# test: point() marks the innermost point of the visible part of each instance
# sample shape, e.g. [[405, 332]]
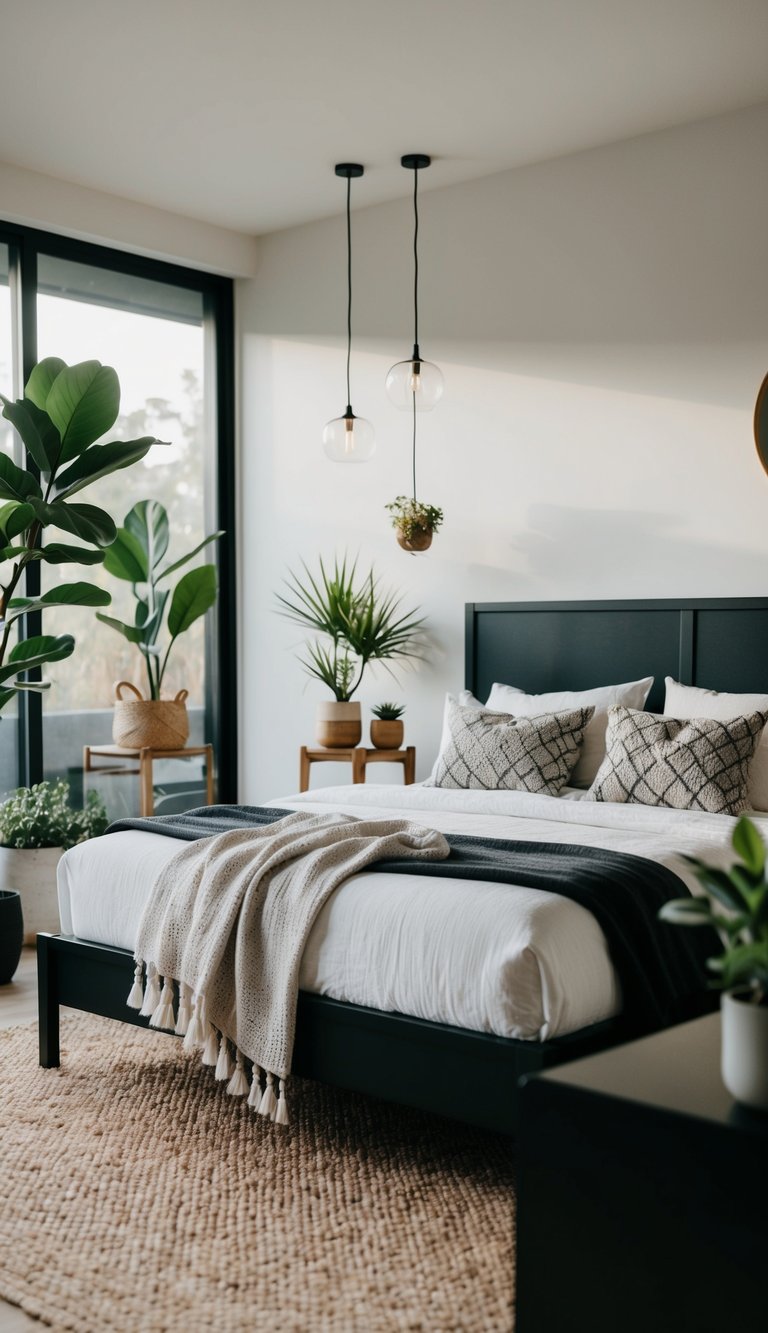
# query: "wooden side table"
[[146, 757], [359, 757]]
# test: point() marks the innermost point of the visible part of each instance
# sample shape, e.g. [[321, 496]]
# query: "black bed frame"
[[719, 644]]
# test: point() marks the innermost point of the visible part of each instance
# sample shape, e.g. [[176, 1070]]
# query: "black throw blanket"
[[661, 967]]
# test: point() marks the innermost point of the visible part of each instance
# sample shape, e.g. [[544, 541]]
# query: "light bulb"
[[349, 439], [415, 383]]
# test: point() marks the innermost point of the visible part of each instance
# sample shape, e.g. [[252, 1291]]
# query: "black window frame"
[[25, 244]]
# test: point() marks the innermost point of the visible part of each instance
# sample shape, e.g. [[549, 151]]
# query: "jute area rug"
[[136, 1195]]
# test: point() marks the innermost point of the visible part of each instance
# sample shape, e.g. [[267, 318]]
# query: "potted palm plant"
[[137, 556], [736, 904], [387, 727], [357, 623]]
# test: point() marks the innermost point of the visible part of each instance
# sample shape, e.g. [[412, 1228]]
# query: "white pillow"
[[467, 700], [633, 694], [688, 701]]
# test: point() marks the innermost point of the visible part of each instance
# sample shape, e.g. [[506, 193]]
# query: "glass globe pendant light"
[[349, 439], [415, 385]]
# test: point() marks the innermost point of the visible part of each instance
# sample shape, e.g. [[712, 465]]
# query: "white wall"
[[601, 322]]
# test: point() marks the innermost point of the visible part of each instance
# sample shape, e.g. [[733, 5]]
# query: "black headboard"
[[718, 643]]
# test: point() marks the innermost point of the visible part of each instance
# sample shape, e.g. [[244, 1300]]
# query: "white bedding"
[[516, 962]]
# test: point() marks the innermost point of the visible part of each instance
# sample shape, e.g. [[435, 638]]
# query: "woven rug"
[[136, 1195]]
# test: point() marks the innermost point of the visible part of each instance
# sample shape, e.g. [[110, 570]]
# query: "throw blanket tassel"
[[195, 1034], [238, 1084], [136, 998], [254, 1096], [185, 1010], [163, 1016], [211, 1046], [152, 993], [224, 1066], [281, 1114], [268, 1102]]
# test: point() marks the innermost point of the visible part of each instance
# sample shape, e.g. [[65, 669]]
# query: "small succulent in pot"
[[414, 522], [386, 728]]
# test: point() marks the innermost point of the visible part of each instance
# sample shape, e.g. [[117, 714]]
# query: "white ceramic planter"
[[745, 1049], [33, 874]]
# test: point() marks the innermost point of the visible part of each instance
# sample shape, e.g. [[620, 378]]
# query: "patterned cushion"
[[496, 752], [699, 764]]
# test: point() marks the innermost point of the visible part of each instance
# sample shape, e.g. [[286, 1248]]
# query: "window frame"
[[25, 244]]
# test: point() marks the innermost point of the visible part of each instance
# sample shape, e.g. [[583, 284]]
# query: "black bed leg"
[[48, 1003]]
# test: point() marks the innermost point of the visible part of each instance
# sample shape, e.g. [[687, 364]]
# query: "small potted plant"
[[358, 623], [386, 728], [736, 904], [37, 825], [137, 556], [414, 522]]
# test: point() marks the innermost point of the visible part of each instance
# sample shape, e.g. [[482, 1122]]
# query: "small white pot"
[[745, 1049], [32, 872]]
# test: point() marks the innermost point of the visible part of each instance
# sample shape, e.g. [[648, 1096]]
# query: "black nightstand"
[[643, 1194]]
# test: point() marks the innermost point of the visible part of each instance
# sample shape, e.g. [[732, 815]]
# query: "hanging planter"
[[415, 523]]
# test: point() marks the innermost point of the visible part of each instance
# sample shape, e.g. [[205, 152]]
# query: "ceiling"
[[235, 111]]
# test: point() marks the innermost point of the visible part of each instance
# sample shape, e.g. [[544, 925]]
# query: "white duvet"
[[494, 958]]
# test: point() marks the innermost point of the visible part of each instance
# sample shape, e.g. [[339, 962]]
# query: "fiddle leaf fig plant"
[[136, 556], [64, 411]]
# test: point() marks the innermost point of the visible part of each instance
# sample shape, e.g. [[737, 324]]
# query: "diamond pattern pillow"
[[495, 752], [700, 764]]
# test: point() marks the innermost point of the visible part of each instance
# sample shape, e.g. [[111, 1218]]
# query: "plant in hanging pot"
[[736, 904], [137, 556], [414, 522], [386, 727], [37, 825], [357, 623]]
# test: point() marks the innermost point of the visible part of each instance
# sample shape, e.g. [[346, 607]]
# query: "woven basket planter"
[[155, 724]]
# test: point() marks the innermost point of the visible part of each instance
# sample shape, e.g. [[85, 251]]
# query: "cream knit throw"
[[228, 919]]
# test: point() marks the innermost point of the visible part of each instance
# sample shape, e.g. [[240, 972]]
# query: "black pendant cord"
[[416, 260], [414, 448], [349, 289]]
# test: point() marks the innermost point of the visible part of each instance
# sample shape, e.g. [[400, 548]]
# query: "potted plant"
[[11, 934], [386, 727], [65, 409], [414, 522], [137, 556], [358, 623], [37, 825], [736, 904]]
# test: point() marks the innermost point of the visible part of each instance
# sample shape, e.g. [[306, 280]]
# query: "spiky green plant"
[[388, 712], [359, 623]]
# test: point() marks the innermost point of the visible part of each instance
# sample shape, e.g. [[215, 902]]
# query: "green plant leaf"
[[65, 594], [15, 518], [38, 433], [717, 883], [171, 569], [84, 521], [192, 597], [99, 461], [126, 558], [129, 632], [748, 844], [686, 912], [148, 523], [83, 403], [42, 377], [15, 482], [58, 553], [33, 652]]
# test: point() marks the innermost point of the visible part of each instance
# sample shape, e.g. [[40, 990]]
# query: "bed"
[[419, 1008]]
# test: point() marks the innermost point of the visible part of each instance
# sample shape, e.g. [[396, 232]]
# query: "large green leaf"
[[148, 523], [15, 483], [100, 460], [192, 597], [58, 553], [83, 404], [41, 379], [129, 632], [33, 652], [126, 558], [748, 844], [84, 521], [38, 433], [15, 518], [185, 559], [65, 594], [149, 620]]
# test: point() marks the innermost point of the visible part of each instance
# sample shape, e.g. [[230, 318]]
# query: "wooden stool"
[[146, 757], [359, 757]]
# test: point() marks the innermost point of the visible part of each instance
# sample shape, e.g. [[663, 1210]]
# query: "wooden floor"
[[18, 1004]]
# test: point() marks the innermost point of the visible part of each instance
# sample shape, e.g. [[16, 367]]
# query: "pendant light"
[[349, 439], [415, 385]]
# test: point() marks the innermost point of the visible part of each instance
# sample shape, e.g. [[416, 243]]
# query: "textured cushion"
[[496, 752], [467, 700], [632, 694], [690, 701], [699, 764]]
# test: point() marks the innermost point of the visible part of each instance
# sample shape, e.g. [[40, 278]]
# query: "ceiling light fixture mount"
[[349, 439], [415, 385]]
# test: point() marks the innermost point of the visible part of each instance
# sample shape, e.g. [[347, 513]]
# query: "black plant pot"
[[11, 933]]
